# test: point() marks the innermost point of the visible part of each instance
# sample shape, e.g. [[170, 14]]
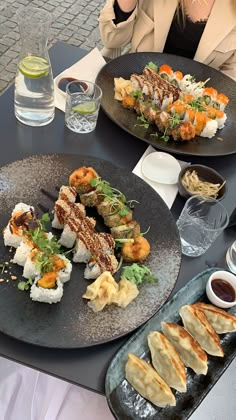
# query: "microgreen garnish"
[[116, 198], [144, 122], [197, 104], [45, 247], [152, 66], [25, 285], [174, 120]]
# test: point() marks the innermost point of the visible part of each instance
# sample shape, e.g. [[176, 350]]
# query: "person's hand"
[[127, 5]]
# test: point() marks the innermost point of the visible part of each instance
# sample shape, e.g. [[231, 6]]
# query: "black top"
[[183, 39]]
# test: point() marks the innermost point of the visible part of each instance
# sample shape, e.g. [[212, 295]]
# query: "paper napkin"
[[86, 69], [166, 191]]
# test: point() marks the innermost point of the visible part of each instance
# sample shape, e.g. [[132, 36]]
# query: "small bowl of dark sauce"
[[221, 289], [61, 83]]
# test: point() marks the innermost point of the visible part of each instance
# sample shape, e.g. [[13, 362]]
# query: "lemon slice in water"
[[86, 107], [33, 67]]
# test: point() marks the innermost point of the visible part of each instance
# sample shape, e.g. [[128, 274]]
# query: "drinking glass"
[[199, 224], [83, 100], [231, 257]]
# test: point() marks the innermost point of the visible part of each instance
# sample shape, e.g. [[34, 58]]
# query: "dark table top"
[[87, 367]]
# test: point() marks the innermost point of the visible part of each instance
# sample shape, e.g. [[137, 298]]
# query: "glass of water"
[[231, 257], [199, 224], [83, 100]]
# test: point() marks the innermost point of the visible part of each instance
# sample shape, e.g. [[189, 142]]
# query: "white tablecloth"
[[26, 394]]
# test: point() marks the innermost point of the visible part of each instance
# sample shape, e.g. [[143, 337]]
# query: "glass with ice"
[[199, 224], [83, 100]]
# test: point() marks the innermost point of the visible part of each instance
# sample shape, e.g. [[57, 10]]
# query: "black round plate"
[[125, 65], [71, 323]]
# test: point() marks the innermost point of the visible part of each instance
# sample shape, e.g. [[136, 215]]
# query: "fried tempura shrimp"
[[137, 250], [80, 179]]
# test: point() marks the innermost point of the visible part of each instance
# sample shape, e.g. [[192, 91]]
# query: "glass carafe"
[[34, 87]]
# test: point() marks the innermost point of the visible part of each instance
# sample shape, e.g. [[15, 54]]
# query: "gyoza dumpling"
[[146, 381], [188, 348], [196, 323], [222, 321], [166, 361]]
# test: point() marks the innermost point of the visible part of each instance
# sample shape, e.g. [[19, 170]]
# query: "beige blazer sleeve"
[[229, 67], [115, 36]]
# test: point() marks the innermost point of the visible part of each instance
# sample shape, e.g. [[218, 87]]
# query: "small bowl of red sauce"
[[221, 289]]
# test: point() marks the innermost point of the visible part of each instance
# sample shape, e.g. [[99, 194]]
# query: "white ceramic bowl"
[[223, 275], [161, 167]]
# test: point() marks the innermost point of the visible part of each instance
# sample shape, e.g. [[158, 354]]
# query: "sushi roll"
[[61, 211], [80, 179], [178, 107], [184, 131], [166, 72], [69, 234], [22, 252], [18, 224], [89, 199], [209, 129], [109, 207], [116, 220], [210, 95], [98, 265], [148, 89], [167, 101], [130, 230], [75, 223], [81, 254], [63, 266], [176, 78], [190, 115], [50, 294], [137, 81], [219, 116], [31, 268], [221, 101], [67, 194], [22, 208], [88, 245]]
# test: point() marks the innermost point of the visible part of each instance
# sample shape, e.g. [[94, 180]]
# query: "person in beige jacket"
[[149, 23]]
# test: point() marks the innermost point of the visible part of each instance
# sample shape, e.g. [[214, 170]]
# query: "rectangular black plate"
[[126, 404]]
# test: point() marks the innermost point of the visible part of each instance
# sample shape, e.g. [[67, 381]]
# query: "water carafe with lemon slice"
[[34, 88]]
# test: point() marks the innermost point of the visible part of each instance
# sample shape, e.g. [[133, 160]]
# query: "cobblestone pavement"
[[75, 22]]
